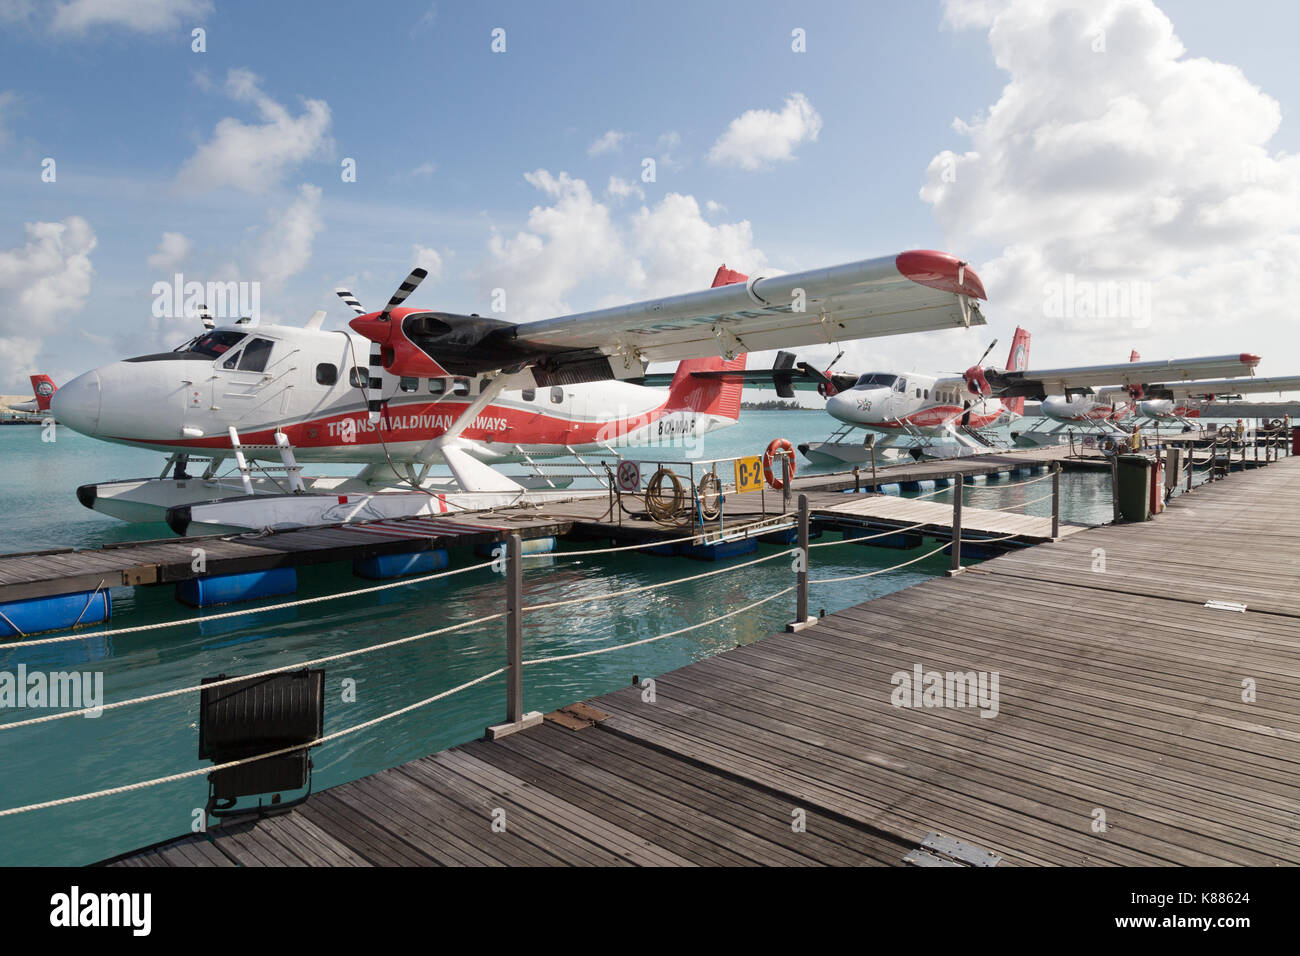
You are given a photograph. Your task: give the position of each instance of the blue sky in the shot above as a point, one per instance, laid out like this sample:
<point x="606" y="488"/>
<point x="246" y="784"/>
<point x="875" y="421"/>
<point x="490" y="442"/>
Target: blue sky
<point x="444" y="131"/>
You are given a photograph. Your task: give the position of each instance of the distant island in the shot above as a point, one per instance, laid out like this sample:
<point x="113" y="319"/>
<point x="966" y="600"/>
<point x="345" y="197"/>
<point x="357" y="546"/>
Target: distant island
<point x="774" y="405"/>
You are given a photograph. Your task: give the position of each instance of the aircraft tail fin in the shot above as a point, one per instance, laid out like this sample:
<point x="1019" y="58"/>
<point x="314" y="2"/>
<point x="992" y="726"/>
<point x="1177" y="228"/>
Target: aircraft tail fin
<point x="708" y="394"/>
<point x="1017" y="361"/>
<point x="725" y="276"/>
<point x="1134" y="357"/>
<point x="43" y="387"/>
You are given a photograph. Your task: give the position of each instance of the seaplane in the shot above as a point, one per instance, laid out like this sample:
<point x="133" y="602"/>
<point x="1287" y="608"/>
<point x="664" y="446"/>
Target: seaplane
<point x="1114" y="410"/>
<point x="43" y="388"/>
<point x="408" y="388"/>
<point x="914" y="410"/>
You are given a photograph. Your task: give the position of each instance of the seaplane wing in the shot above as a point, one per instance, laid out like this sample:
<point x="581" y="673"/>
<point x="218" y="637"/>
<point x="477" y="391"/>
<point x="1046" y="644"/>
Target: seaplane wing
<point x="910" y="292"/>
<point x="1184" y="390"/>
<point x="1039" y="383"/>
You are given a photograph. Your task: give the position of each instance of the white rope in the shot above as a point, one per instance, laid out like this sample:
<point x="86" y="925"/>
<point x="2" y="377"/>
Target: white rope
<point x="659" y="637"/>
<point x="1020" y="504"/>
<point x="253" y="610"/>
<point x="651" y="587"/>
<point x="230" y="680"/>
<point x="235" y="763"/>
<point x="655" y="544"/>
<point x="870" y="574"/>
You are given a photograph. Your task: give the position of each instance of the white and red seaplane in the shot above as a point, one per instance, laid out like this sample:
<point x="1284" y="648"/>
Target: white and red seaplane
<point x="913" y="410"/>
<point x="408" y="388"/>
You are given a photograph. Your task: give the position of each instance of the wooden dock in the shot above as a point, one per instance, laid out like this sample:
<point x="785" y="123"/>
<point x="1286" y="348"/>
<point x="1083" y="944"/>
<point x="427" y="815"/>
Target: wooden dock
<point x="1133" y="726"/>
<point x="170" y="560"/>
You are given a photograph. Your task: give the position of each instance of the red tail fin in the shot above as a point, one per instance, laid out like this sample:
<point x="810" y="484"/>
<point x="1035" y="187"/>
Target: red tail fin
<point x="1134" y="357"/>
<point x="43" y="387"/>
<point x="707" y="395"/>
<point x="1017" y="361"/>
<point x="725" y="276"/>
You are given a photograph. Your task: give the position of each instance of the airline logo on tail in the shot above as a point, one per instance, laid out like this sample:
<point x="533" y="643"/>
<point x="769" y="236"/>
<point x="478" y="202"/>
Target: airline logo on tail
<point x="43" y="387"/>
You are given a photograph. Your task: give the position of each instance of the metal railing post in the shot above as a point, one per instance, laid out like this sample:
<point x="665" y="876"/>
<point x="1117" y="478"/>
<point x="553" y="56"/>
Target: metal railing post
<point x="786" y="490"/>
<point x="516" y="719"/>
<point x="1114" y="484"/>
<point x="801" y="617"/>
<point x="956" y="523"/>
<point x="514" y="629"/>
<point x="1056" y="500"/>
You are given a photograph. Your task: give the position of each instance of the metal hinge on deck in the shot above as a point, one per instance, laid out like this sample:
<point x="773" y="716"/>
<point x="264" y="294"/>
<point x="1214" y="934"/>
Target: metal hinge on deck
<point x="936" y="850"/>
<point x="577" y="716"/>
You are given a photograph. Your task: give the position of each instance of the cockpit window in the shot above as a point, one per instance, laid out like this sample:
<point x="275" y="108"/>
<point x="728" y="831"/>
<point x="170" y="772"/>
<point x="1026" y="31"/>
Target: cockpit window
<point x="875" y="380"/>
<point x="214" y="343"/>
<point x="255" y="355"/>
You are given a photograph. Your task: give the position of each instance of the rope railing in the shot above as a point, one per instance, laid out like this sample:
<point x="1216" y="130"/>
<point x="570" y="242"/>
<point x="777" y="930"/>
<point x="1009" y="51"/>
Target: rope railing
<point x="224" y="615"/>
<point x="162" y="695"/>
<point x="171" y="778"/>
<point x="652" y="587"/>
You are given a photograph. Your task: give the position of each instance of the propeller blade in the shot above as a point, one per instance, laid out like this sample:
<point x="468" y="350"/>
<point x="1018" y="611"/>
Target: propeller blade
<point x="406" y="288"/>
<point x="992" y="346"/>
<point x="206" y="318"/>
<point x="350" y="301"/>
<point x="375" y="382"/>
<point x="833" y="361"/>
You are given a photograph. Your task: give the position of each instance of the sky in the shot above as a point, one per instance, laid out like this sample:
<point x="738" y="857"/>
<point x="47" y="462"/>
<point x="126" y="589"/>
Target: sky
<point x="1121" y="174"/>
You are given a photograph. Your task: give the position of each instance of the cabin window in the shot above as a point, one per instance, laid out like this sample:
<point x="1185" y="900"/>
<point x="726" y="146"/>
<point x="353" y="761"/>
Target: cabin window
<point x="232" y="362"/>
<point x="901" y="386"/>
<point x="408" y="384"/>
<point x="437" y="386"/>
<point x="460" y="386"/>
<point x="326" y="374"/>
<point x="483" y="384"/>
<point x="529" y="394"/>
<point x="927" y="393"/>
<point x="358" y="377"/>
<point x="255" y="354"/>
<point x="918" y="393"/>
<point x="557" y="394"/>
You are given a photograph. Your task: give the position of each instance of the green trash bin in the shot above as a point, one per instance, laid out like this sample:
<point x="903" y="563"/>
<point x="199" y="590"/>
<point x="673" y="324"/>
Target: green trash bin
<point x="1134" y="487"/>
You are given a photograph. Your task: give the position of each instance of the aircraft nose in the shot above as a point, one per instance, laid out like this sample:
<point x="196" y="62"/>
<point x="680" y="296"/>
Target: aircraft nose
<point x="77" y="404"/>
<point x="839" y="407"/>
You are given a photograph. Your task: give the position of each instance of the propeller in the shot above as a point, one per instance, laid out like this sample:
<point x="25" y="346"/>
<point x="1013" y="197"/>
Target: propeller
<point x="206" y="318"/>
<point x="374" y="386"/>
<point x="975" y="380"/>
<point x="827" y="388"/>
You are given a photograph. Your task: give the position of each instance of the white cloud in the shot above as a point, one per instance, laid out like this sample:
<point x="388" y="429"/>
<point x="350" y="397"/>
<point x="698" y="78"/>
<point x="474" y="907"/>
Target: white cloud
<point x="142" y="16"/>
<point x="757" y="138"/>
<point x="45" y="279"/>
<point x="1112" y="157"/>
<point x="430" y="260"/>
<point x="576" y="245"/>
<point x="665" y="145"/>
<point x="172" y="251"/>
<point x="620" y="189"/>
<point x="287" y="241"/>
<point x="610" y="142"/>
<point x="424" y="169"/>
<point x="256" y="157"/>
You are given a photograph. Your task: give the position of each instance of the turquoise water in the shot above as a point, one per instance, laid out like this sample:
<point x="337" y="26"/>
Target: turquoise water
<point x="78" y="755"/>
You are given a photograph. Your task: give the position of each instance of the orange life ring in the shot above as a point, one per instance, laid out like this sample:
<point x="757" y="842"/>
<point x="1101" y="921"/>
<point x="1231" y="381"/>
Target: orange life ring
<point x="774" y="446"/>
